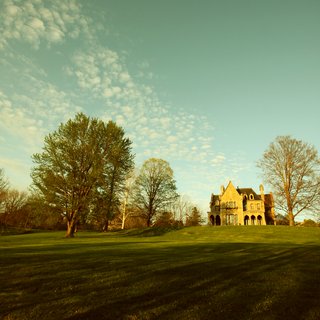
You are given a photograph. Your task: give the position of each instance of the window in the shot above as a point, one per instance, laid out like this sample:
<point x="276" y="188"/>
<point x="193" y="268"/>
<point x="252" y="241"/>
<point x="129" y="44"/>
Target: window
<point x="251" y="206"/>
<point x="217" y="202"/>
<point x="251" y="196"/>
<point x="258" y="206"/>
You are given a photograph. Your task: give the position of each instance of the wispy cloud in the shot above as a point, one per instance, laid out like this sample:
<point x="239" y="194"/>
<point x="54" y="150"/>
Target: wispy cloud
<point x="29" y="117"/>
<point x="101" y="81"/>
<point x="154" y="126"/>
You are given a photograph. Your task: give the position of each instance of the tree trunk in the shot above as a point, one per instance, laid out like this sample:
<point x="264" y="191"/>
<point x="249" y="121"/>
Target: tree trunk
<point x="106" y="225"/>
<point x="291" y="219"/>
<point x="71" y="227"/>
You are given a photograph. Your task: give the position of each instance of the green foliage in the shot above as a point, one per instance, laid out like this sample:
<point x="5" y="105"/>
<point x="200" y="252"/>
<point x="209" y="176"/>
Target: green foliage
<point x="194" y="218"/>
<point x="155" y="188"/>
<point x="309" y="223"/>
<point x="119" y="161"/>
<point x="166" y="219"/>
<point x="231" y="273"/>
<point x="84" y="160"/>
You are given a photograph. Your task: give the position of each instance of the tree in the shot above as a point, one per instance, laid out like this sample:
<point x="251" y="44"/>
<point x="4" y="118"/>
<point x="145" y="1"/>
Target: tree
<point x="13" y="205"/>
<point x="41" y="214"/>
<point x="291" y="167"/>
<point x="194" y="218"/>
<point x="181" y="208"/>
<point x="155" y="188"/>
<point x="4" y="185"/>
<point x="125" y="207"/>
<point x="166" y="219"/>
<point x="119" y="162"/>
<point x="76" y="163"/>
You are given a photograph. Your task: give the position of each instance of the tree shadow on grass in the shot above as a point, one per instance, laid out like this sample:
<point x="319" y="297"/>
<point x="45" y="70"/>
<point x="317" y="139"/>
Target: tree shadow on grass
<point x="256" y="285"/>
<point x="186" y="281"/>
<point x="148" y="232"/>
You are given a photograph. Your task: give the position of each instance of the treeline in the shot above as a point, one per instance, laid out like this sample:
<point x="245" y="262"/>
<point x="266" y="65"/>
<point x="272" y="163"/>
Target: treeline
<point x="85" y="177"/>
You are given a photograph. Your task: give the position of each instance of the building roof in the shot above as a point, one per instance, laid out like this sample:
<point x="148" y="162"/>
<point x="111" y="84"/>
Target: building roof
<point x="247" y="192"/>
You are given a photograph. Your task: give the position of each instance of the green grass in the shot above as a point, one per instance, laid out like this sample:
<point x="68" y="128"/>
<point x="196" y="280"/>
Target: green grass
<point x="192" y="273"/>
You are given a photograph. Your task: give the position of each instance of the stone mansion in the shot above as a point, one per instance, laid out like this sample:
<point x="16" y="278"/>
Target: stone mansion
<point x="241" y="206"/>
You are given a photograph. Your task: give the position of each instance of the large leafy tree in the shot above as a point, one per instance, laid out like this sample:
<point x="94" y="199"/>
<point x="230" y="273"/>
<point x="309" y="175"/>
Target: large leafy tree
<point x="292" y="168"/>
<point x="155" y="188"/>
<point x="111" y="186"/>
<point x="75" y="166"/>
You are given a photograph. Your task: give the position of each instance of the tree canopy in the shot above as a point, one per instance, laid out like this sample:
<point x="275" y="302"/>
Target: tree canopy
<point x="292" y="167"/>
<point x="81" y="161"/>
<point x="155" y="188"/>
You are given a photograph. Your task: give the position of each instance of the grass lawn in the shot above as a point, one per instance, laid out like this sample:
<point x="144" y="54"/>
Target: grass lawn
<point x="192" y="273"/>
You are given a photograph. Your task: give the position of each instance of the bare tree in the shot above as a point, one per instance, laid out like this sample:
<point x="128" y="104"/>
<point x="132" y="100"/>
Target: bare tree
<point x="291" y="167"/>
<point x="155" y="188"/>
<point x="127" y="195"/>
<point x="4" y="185"/>
<point x="13" y="204"/>
<point x="181" y="208"/>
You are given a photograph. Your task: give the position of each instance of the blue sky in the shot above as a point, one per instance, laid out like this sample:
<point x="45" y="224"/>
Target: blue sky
<point x="205" y="85"/>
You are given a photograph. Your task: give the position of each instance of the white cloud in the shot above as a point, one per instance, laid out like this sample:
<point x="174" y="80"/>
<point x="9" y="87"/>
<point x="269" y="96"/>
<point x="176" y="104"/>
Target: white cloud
<point x="30" y="116"/>
<point x="36" y="21"/>
<point x="218" y="159"/>
<point x="171" y="139"/>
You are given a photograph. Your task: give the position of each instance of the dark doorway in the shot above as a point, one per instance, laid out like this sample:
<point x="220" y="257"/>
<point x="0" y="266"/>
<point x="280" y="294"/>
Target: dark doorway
<point x="212" y="219"/>
<point x="218" y="221"/>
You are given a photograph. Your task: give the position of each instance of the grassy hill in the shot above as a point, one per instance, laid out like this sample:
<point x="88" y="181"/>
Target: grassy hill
<point x="192" y="273"/>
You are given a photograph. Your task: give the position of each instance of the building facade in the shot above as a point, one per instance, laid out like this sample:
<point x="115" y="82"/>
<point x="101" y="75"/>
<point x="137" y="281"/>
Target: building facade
<point x="241" y="206"/>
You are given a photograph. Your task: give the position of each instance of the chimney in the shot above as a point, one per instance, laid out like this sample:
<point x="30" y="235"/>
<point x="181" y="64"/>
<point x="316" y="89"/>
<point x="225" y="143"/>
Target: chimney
<point x="262" y="192"/>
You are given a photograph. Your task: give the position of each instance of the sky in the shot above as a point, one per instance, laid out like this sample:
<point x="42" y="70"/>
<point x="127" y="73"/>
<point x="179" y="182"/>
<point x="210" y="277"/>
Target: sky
<point x="206" y="85"/>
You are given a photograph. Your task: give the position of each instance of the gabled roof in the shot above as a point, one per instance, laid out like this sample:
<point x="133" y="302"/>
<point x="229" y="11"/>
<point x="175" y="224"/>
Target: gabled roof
<point x="247" y="192"/>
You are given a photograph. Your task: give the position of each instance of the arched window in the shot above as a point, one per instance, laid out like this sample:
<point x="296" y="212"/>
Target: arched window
<point x="212" y="219"/>
<point x="246" y="220"/>
<point x="251" y="196"/>
<point x="259" y="220"/>
<point x="253" y="220"/>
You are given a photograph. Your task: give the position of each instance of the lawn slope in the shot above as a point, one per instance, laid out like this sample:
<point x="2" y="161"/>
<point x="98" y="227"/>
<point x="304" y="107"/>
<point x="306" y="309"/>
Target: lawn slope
<point x="192" y="273"/>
